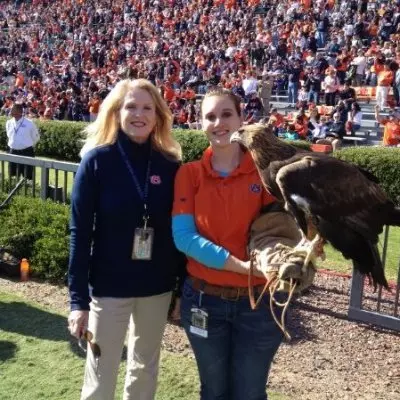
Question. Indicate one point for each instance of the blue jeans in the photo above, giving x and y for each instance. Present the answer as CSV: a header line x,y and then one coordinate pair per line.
x,y
292,92
235,359
321,38
313,97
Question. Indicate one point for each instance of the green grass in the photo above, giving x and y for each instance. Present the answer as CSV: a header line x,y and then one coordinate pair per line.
x,y
40,361
335,261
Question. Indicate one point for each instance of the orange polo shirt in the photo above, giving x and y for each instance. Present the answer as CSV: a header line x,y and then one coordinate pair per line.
x,y
223,209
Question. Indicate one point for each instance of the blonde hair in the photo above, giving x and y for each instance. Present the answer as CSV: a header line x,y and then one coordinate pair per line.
x,y
104,130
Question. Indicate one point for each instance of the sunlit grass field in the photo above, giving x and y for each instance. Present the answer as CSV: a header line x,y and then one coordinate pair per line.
x,y
40,361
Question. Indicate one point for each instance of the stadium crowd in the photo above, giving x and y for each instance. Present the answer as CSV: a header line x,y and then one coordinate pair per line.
x,y
60,58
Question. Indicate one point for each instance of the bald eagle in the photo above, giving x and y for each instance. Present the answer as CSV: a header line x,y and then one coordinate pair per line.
x,y
343,203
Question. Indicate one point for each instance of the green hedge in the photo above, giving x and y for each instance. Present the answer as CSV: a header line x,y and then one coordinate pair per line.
x,y
37,230
383,162
62,140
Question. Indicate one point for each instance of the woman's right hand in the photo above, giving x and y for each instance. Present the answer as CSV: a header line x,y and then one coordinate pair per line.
x,y
78,322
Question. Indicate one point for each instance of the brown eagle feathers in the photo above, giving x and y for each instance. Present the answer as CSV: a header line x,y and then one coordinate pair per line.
x,y
345,204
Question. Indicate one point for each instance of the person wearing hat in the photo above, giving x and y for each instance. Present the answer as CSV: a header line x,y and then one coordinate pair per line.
x,y
22,135
391,132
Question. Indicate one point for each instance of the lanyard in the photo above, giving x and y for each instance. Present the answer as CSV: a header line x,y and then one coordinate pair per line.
x,y
16,128
143,193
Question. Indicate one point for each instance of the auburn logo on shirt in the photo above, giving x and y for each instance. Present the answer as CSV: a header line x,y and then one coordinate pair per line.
x,y
155,180
255,188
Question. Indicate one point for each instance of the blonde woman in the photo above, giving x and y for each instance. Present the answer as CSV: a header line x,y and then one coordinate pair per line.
x,y
123,262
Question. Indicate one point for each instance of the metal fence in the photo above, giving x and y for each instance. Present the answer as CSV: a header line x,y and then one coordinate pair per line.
x,y
50,179
380,307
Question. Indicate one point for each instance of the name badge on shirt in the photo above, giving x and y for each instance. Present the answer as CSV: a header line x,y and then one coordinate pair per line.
x,y
199,325
143,243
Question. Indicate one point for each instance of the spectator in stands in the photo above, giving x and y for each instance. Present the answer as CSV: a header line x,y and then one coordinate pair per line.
x,y
313,86
354,119
331,84
290,133
347,95
250,85
276,120
396,87
391,133
265,92
294,72
22,135
121,201
361,62
385,80
302,98
335,132
253,109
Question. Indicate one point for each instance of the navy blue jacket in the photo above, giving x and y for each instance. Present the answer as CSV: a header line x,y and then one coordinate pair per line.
x,y
106,209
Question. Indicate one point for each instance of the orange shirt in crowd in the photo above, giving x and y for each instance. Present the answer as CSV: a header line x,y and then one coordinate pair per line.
x,y
391,133
169,93
277,120
94,106
385,78
19,81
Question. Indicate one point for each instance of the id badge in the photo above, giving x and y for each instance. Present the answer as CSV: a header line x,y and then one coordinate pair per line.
x,y
143,244
199,325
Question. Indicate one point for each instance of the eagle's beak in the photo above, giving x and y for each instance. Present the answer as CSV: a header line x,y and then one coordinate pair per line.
x,y
236,137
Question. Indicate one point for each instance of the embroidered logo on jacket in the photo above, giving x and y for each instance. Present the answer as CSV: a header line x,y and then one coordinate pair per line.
x,y
255,188
155,180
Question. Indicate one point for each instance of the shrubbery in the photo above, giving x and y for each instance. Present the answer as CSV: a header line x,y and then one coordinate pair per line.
x,y
37,230
383,162
62,140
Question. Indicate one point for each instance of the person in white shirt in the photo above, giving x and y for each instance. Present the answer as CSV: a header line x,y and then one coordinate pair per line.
x,y
22,136
361,62
331,84
249,84
354,119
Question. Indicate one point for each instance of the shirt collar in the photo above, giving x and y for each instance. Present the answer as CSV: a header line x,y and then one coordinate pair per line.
x,y
132,148
246,165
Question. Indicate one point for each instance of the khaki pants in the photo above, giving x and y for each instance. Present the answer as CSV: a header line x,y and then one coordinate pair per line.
x,y
109,319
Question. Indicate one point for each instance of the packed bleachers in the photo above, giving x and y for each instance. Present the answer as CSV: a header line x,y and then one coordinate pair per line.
x,y
60,58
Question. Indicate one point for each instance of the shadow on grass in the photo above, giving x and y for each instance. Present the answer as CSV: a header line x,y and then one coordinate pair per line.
x,y
7,350
24,319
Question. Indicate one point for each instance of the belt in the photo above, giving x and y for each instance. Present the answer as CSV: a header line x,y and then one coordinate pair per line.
x,y
225,292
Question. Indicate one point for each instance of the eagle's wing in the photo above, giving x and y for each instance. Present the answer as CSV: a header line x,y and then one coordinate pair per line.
x,y
347,207
329,185
331,189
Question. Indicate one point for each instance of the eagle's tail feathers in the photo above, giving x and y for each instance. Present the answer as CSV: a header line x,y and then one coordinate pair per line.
x,y
374,271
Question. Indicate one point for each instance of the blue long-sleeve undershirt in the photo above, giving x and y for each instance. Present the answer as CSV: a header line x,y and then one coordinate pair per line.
x,y
188,240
